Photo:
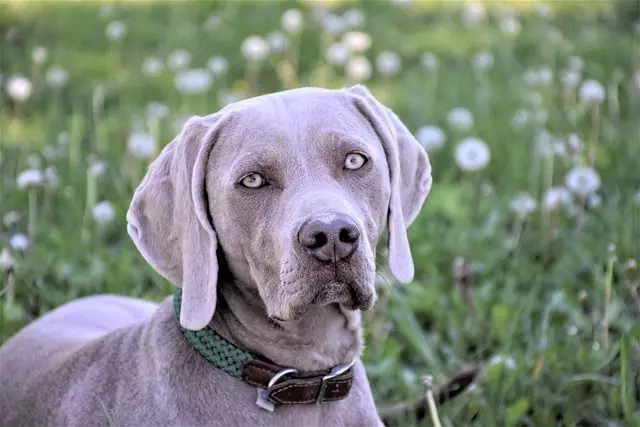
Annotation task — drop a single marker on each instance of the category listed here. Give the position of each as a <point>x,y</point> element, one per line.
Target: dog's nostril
<point>348,235</point>
<point>319,240</point>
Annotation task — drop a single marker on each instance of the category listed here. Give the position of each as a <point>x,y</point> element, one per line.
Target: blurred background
<point>526,250</point>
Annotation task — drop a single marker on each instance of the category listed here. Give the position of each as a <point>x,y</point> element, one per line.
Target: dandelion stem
<point>33,213</point>
<point>595,134</point>
<point>608,285</point>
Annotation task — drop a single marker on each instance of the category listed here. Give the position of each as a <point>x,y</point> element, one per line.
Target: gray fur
<point>234,253</point>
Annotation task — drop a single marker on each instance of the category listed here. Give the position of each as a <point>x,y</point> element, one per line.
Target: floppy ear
<point>410,177</point>
<point>169,221</point>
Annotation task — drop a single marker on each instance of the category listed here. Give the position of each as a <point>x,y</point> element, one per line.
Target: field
<point>527,248</point>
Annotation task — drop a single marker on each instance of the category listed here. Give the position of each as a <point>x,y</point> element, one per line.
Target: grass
<point>546,302</point>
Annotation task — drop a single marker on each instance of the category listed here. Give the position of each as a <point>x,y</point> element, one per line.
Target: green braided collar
<point>212,346</point>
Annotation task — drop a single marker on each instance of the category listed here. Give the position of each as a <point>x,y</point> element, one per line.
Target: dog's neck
<point>325,337</point>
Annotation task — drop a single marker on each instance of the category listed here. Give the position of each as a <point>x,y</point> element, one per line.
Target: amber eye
<point>354,161</point>
<point>253,180</point>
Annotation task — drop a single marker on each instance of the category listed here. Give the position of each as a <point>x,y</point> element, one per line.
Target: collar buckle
<point>335,371</point>
<point>263,394</point>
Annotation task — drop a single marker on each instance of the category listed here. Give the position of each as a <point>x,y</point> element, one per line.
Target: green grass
<point>538,289</point>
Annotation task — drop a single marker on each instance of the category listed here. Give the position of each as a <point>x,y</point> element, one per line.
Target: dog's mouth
<point>350,296</point>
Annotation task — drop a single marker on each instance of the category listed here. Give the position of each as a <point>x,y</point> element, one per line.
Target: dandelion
<point>29,178</point>
<point>19,88</point>
<point>142,145</point>
<point>507,361</point>
<point>51,178</point>
<point>116,30</point>
<point>510,25</point>
<point>39,54</point>
<point>353,18</point>
<point>523,204</point>
<point>254,48</point>
<point>572,330</point>
<point>521,118</point>
<point>473,13</point>
<point>19,242</point>
<point>574,143</point>
<point>333,24</point>
<point>555,198</point>
<point>429,61</point>
<point>337,54</point>
<point>388,63</point>
<point>538,77</point>
<point>103,212</point>
<point>358,69</point>
<point>571,79</point>
<point>357,41</point>
<point>594,200</point>
<point>432,138</point>
<point>97,167</point>
<point>6,262</point>
<point>57,76</point>
<point>157,110</point>
<point>278,42</point>
<point>212,23</point>
<point>218,65</point>
<point>197,80</point>
<point>482,61</point>
<point>460,119</point>
<point>582,180</point>
<point>179,59</point>
<point>472,154</point>
<point>10,219</point>
<point>592,92</point>
<point>152,66</point>
<point>292,21</point>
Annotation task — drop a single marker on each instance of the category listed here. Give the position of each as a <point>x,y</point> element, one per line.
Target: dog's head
<point>294,188</point>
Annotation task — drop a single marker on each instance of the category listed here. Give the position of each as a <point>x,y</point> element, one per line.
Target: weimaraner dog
<point>265,215</point>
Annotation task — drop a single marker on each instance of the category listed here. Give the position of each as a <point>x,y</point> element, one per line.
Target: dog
<point>265,216</point>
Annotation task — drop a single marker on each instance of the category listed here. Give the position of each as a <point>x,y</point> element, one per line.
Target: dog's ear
<point>410,177</point>
<point>169,221</point>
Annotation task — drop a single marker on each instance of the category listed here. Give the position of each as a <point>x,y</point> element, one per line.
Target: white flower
<point>19,88</point>
<point>51,178</point>
<point>6,262</point>
<point>357,41</point>
<point>429,61</point>
<point>19,242</point>
<point>473,13</point>
<point>521,118</point>
<point>152,66</point>
<point>116,30</point>
<point>388,63</point>
<point>292,21</point>
<point>353,18</point>
<point>542,76</point>
<point>142,145</point>
<point>97,167</point>
<point>582,180</point>
<point>333,24</point>
<point>571,79</point>
<point>254,48</point>
<point>10,219</point>
<point>510,25</point>
<point>460,119</point>
<point>432,138</point>
<point>594,200</point>
<point>358,69</point>
<point>472,154</point>
<point>572,330</point>
<point>482,60</point>
<point>218,65</point>
<point>278,42</point>
<point>29,178</point>
<point>574,143</point>
<point>197,80</point>
<point>556,197</point>
<point>212,23</point>
<point>592,92</point>
<point>508,361</point>
<point>157,110</point>
<point>523,204</point>
<point>39,54</point>
<point>57,76</point>
<point>103,212</point>
<point>337,54</point>
<point>179,59</point>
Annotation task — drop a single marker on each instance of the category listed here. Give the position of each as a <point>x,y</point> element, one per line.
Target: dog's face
<point>298,196</point>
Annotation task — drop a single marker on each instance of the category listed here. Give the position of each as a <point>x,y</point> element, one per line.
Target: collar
<point>275,384</point>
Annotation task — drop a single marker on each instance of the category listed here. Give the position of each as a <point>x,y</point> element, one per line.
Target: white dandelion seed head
<point>429,61</point>
<point>29,178</point>
<point>388,63</point>
<point>559,148</point>
<point>574,143</point>
<point>460,119</point>
<point>337,54</point>
<point>152,66</point>
<point>179,59</point>
<point>6,261</point>
<point>555,198</point>
<point>571,79</point>
<point>510,25</point>
<point>97,167</point>
<point>141,145</point>
<point>333,24</point>
<point>482,61</point>
<point>57,76</point>
<point>432,138</point>
<point>592,92</point>
<point>508,361</point>
<point>278,41</point>
<point>254,48</point>
<point>538,77</point>
<point>19,88</point>
<point>582,180</point>
<point>51,177</point>
<point>523,204</point>
<point>197,80</point>
<point>10,219</point>
<point>521,118</point>
<point>353,18</point>
<point>19,242</point>
<point>157,110</point>
<point>292,21</point>
<point>39,54</point>
<point>358,69</point>
<point>473,13</point>
<point>594,200</point>
<point>472,154</point>
<point>357,41</point>
<point>218,65</point>
<point>116,30</point>
<point>212,23</point>
<point>572,330</point>
<point>103,212</point>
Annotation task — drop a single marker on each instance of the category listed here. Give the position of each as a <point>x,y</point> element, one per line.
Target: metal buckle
<point>337,370</point>
<point>263,394</point>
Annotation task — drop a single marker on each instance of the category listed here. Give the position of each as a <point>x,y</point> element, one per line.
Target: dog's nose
<point>330,238</point>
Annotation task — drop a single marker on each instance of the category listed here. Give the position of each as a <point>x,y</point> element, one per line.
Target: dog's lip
<point>350,295</point>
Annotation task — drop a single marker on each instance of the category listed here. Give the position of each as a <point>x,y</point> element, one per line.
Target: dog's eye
<point>355,161</point>
<point>253,180</point>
